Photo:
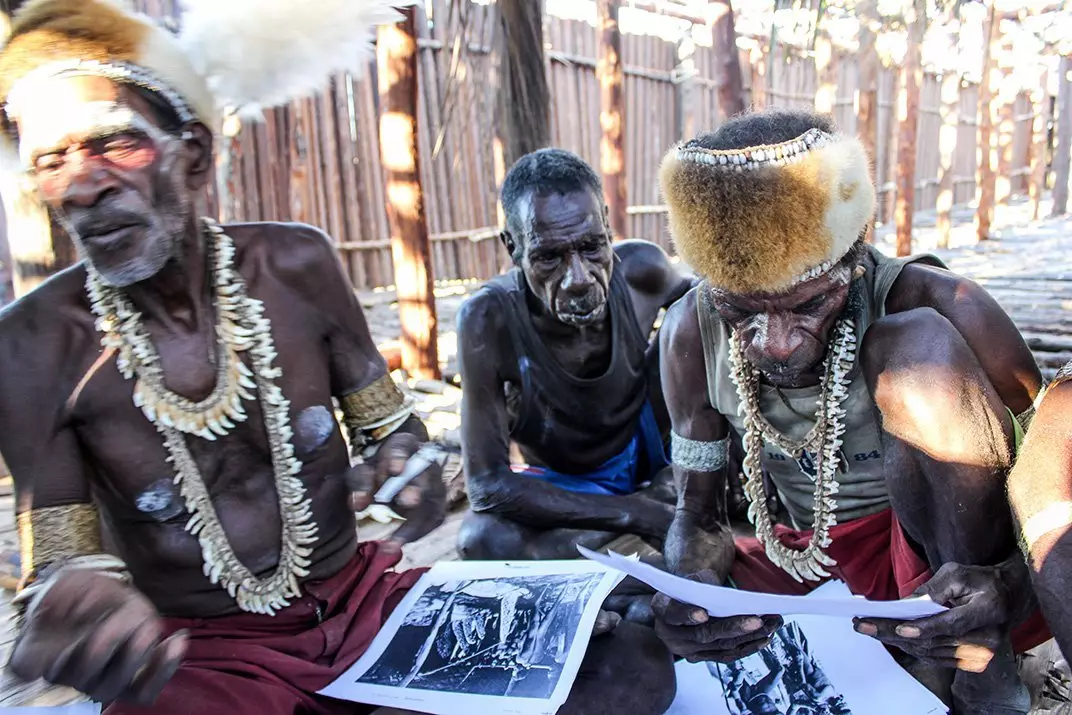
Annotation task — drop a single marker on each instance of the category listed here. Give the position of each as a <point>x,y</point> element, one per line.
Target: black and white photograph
<point>814,665</point>
<point>783,679</point>
<point>509,633</point>
<point>505,636</point>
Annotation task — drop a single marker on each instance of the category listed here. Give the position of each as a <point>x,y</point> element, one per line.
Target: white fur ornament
<point>258,54</point>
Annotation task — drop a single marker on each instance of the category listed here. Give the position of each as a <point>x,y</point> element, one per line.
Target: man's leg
<point>948,448</point>
<point>486,537</point>
<point>629,670</point>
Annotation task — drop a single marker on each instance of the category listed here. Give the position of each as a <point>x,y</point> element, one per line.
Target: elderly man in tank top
<point>555,357</point>
<point>880,395</point>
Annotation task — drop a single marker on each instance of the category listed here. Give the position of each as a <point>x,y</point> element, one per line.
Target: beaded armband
<point>53,534</point>
<point>698,456</point>
<point>374,412</point>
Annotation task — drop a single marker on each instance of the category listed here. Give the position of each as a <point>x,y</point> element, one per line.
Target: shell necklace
<point>824,440</point>
<point>241,327</point>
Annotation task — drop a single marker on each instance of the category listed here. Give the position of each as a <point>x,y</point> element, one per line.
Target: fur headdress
<point>231,55</point>
<point>765,218</point>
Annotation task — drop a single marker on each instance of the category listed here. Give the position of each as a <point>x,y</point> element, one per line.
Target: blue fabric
<point>618,475</point>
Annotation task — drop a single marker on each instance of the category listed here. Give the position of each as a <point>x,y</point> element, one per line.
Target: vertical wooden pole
<point>1061,154</point>
<point>611,75</point>
<point>523,103</point>
<point>396,59</point>
<point>728,79</point>
<point>684,74</point>
<point>1040,103</point>
<point>908,123</point>
<point>1004,134</point>
<point>826,71</point>
<point>228,157</point>
<point>867,92</point>
<point>947,150</point>
<point>985,188</point>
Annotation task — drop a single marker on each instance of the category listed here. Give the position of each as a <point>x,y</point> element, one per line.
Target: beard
<point>162,223</point>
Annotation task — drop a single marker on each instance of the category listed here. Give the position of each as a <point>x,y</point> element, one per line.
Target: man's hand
<point>963,637</point>
<point>690,633</point>
<point>422,502</point>
<point>99,636</point>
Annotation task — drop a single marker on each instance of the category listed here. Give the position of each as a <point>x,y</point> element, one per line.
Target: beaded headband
<point>766,218</point>
<point>119,72</point>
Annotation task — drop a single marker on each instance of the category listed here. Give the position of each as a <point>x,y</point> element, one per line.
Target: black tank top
<point>553,421</point>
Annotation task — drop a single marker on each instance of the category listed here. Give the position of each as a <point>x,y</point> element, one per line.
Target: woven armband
<point>374,412</point>
<point>1053,517</point>
<point>698,456</point>
<point>56,533</point>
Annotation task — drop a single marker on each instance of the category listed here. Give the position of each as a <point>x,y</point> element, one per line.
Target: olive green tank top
<point>792,411</point>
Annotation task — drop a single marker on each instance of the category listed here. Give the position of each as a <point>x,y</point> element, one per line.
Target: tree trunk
<point>728,80</point>
<point>396,59</point>
<point>1040,104</point>
<point>947,149</point>
<point>908,123</point>
<point>523,106</point>
<point>984,175</point>
<point>611,74</point>
<point>1061,154</point>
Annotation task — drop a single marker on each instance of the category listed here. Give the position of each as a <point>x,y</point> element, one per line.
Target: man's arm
<point>699,544</point>
<point>85,626</point>
<point>493,488</point>
<point>378,415</point>
<point>699,538</point>
<point>1040,490</point>
<point>987,329</point>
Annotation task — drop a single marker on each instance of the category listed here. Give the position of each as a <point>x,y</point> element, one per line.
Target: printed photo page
<point>483,637</point>
<point>815,665</point>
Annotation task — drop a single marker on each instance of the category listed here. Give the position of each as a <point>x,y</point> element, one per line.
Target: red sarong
<point>250,664</point>
<point>874,559</point>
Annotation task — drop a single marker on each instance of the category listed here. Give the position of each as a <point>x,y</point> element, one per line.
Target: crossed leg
<point>948,448</point>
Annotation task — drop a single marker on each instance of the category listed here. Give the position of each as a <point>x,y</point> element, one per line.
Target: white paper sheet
<point>722,602</point>
<point>849,672</point>
<point>483,637</point>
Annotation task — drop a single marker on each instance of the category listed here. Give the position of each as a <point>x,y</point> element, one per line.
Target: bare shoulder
<point>47,335</point>
<point>923,286</point>
<point>294,249</point>
<point>646,267</point>
<point>679,335</point>
<point>481,324</point>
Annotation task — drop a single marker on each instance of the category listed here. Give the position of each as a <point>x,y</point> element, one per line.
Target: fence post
<point>948,137</point>
<point>728,78</point>
<point>1061,155</point>
<point>684,74</point>
<point>985,188</point>
<point>1040,101</point>
<point>826,72</point>
<point>908,123</point>
<point>396,59</point>
<point>1005,136</point>
<point>611,75</point>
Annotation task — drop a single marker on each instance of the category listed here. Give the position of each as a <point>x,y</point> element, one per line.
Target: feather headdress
<point>256,54</point>
<point>230,55</point>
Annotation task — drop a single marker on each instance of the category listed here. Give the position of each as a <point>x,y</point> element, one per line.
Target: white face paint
<point>81,122</point>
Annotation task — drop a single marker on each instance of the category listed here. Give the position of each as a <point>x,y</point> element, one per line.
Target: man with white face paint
<point>185,497</point>
<point>896,481</point>
<point>555,356</point>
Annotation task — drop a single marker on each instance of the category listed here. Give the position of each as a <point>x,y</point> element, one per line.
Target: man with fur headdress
<point>185,496</point>
<point>880,396</point>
